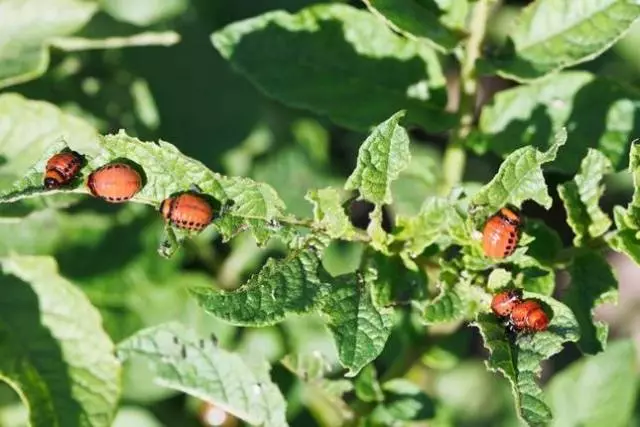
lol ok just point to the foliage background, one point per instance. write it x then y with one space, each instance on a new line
186 93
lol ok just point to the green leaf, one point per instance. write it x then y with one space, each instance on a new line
600 113
281 288
329 213
416 20
404 401
581 198
596 390
520 362
440 221
367 386
498 279
359 327
627 238
546 244
592 283
144 12
26 29
63 369
31 127
381 158
343 51
202 369
519 178
420 177
168 171
534 276
455 302
550 35
393 283
630 218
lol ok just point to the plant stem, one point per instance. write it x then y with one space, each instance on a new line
455 155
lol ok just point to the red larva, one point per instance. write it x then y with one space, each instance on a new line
115 182
528 316
61 169
503 303
501 234
187 211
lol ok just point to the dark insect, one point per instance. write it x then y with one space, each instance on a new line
61 169
115 182
501 234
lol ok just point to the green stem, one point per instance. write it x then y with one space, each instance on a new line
455 155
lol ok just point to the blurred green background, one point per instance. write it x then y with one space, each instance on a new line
188 95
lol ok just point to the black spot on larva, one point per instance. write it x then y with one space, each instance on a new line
191 224
511 241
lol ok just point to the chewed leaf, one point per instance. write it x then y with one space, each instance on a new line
581 198
63 369
519 361
626 239
440 221
281 288
166 171
553 34
381 158
329 213
201 369
519 179
592 283
455 302
359 327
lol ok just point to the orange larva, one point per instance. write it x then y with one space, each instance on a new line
528 316
503 303
501 234
188 211
61 169
115 182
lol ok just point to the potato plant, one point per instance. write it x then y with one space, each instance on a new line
352 156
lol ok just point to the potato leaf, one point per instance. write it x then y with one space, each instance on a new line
519 178
62 368
519 362
201 369
581 198
342 51
550 35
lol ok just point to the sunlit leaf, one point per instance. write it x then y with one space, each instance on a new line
202 369
359 327
381 158
27 27
553 34
416 20
281 288
519 179
601 114
596 390
519 362
63 369
581 198
344 52
329 213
